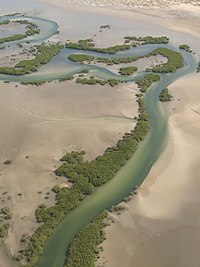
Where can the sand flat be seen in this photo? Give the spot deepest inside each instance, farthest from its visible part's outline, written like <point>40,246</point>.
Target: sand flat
<point>45,122</point>
<point>161,226</point>
<point>42,123</point>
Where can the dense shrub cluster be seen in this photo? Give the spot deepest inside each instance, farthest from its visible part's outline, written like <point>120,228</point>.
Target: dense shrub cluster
<point>128,70</point>
<point>175,60</point>
<point>5,216</point>
<point>165,95</point>
<point>185,47</point>
<point>44,55</point>
<point>84,176</point>
<point>37,83</point>
<point>145,82</point>
<point>31,30</point>
<point>148,40</point>
<point>83,251</point>
<point>80,58</point>
<point>89,45</point>
<point>92,81</point>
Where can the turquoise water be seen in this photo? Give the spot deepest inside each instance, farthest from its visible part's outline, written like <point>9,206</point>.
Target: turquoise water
<point>136,169</point>
<point>47,29</point>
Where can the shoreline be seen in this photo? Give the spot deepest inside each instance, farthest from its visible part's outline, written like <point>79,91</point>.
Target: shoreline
<point>162,212</point>
<point>46,165</point>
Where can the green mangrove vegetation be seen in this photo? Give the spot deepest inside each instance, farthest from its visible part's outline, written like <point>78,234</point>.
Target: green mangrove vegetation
<point>44,54</point>
<point>5,216</point>
<point>175,60</point>
<point>92,81</point>
<point>80,58</point>
<point>84,176</point>
<point>4,230</point>
<point>89,45</point>
<point>128,70</point>
<point>83,249</point>
<point>31,30</point>
<point>5,22</point>
<point>185,47</point>
<point>147,40</point>
<point>145,82</point>
<point>116,61</point>
<point>165,95</point>
<point>66,78</point>
<point>198,67</point>
<point>10,15</point>
<point>37,83</point>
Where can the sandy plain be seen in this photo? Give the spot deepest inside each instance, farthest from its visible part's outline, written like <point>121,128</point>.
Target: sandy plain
<point>43,123</point>
<point>40,125</point>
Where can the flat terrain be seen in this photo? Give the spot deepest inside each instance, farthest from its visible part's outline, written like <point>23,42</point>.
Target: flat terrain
<point>161,225</point>
<point>40,124</point>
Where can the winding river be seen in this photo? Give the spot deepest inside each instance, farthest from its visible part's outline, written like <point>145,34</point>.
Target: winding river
<point>136,169</point>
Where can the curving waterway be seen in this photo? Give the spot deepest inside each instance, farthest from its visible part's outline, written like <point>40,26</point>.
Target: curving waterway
<point>129,176</point>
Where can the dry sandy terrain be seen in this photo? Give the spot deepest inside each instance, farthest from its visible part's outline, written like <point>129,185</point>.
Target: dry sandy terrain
<point>131,3</point>
<point>45,122</point>
<point>161,225</point>
<point>11,29</point>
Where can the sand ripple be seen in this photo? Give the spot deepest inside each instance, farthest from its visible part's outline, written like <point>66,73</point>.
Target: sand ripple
<point>133,3</point>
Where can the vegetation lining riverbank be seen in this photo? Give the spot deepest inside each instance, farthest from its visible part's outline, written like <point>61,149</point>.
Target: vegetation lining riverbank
<point>44,54</point>
<point>175,60</point>
<point>32,29</point>
<point>83,249</point>
<point>84,176</point>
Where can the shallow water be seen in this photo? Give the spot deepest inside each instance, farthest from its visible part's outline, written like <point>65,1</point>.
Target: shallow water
<point>132,174</point>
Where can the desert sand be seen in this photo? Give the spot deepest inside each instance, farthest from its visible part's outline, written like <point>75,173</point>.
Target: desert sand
<point>45,122</point>
<point>161,225</point>
<point>40,125</point>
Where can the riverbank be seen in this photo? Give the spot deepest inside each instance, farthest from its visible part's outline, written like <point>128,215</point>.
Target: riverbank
<point>45,122</point>
<point>161,225</point>
<point>40,125</point>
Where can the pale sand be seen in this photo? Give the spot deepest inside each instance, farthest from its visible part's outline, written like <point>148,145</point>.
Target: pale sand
<point>161,227</point>
<point>141,64</point>
<point>44,123</point>
<point>128,4</point>
<point>11,29</point>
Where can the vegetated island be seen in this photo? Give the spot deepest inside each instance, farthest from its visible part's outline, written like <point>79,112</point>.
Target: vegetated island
<point>43,55</point>
<point>175,60</point>
<point>132,41</point>
<point>32,29</point>
<point>128,70</point>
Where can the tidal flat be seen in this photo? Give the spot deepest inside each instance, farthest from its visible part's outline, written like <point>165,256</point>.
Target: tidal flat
<point>45,122</point>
